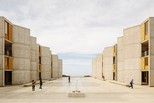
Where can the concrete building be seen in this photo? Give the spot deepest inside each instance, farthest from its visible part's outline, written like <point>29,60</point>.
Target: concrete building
<point>45,62</point>
<point>134,56</point>
<point>98,67</point>
<point>21,58</point>
<point>56,67</point>
<point>120,59</point>
<point>60,64</point>
<point>108,63</point>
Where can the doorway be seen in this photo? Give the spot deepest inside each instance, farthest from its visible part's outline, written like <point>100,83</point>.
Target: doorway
<point>8,77</point>
<point>145,77</point>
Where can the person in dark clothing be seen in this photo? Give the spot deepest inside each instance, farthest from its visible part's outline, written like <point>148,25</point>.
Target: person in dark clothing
<point>33,85</point>
<point>69,79</point>
<point>131,84</point>
<point>41,83</point>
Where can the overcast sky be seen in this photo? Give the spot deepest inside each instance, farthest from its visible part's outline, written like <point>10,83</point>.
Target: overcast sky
<point>77,30</point>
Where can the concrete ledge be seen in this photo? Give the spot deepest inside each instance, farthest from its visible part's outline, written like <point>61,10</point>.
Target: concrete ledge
<point>116,82</point>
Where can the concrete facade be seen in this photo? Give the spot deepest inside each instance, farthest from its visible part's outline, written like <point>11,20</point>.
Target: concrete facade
<point>108,63</point>
<point>60,64</point>
<point>45,63</point>
<point>20,56</point>
<point>55,68</point>
<point>98,67</point>
<point>135,55</point>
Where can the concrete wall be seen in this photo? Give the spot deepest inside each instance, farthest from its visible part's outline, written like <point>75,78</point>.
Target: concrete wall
<point>21,54</point>
<point>55,70</point>
<point>99,66</point>
<point>108,63</point>
<point>132,54</point>
<point>120,59</point>
<point>151,51</point>
<point>46,63</point>
<point>33,59</point>
<point>60,68</point>
<point>1,50</point>
<point>94,69</point>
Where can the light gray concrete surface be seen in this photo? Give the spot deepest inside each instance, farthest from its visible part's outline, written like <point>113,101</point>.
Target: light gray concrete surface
<point>96,91</point>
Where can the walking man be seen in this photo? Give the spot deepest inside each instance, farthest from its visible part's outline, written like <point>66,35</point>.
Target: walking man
<point>131,84</point>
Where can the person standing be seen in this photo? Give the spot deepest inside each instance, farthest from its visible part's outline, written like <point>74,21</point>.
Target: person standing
<point>131,84</point>
<point>69,79</point>
<point>33,85</point>
<point>41,83</point>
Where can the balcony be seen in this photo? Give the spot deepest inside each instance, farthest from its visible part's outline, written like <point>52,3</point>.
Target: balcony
<point>8,63</point>
<point>144,63</point>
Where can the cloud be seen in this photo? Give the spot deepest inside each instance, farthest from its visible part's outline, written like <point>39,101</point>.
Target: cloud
<point>76,26</point>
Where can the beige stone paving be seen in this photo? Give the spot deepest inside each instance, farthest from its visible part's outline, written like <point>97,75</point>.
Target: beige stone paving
<point>96,91</point>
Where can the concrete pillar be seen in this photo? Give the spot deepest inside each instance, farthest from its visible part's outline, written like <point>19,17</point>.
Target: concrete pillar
<point>60,68</point>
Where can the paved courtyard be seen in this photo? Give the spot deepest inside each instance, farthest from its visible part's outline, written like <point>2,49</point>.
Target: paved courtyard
<point>96,91</point>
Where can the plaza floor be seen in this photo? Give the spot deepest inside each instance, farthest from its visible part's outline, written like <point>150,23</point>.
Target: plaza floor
<point>96,91</point>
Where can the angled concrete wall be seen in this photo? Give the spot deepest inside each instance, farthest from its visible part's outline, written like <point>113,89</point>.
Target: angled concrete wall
<point>60,68</point>
<point>132,54</point>
<point>1,51</point>
<point>99,66</point>
<point>21,54</point>
<point>55,70</point>
<point>33,59</point>
<point>108,63</point>
<point>46,63</point>
<point>120,59</point>
<point>151,51</point>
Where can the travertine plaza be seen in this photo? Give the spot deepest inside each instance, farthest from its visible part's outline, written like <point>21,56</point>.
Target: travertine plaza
<point>22,59</point>
<point>131,58</point>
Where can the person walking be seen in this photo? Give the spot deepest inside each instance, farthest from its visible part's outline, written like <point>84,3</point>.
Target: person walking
<point>69,79</point>
<point>131,84</point>
<point>33,85</point>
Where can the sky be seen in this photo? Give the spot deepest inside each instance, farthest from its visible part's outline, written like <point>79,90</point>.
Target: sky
<point>77,30</point>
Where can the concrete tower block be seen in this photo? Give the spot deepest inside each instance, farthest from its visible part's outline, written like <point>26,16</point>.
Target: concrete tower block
<point>108,62</point>
<point>46,62</point>
<point>132,54</point>
<point>60,68</point>
<point>99,67</point>
<point>120,59</point>
<point>33,43</point>
<point>55,66</point>
<point>21,54</point>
